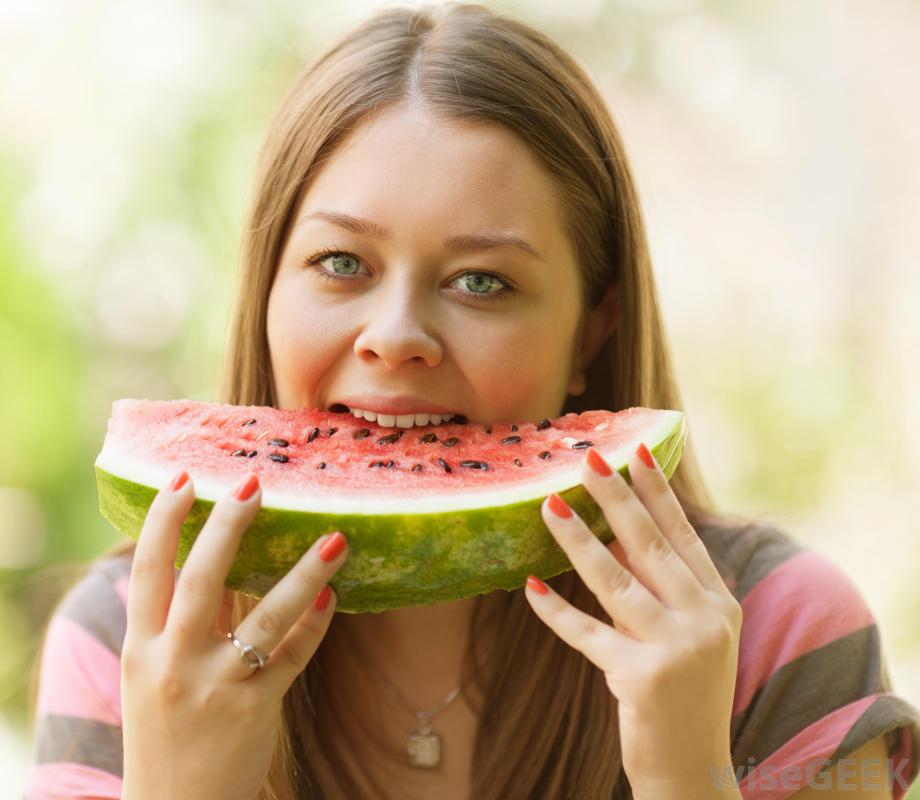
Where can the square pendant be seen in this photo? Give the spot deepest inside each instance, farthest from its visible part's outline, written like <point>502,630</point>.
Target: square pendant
<point>424,749</point>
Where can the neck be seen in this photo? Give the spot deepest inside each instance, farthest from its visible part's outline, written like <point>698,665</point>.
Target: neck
<point>419,649</point>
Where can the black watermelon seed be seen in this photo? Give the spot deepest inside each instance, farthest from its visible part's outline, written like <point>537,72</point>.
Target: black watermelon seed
<point>278,442</point>
<point>390,464</point>
<point>322,465</point>
<point>489,429</point>
<point>428,438</point>
<point>460,420</point>
<point>474,464</point>
<point>513,428</point>
<point>313,434</point>
<point>511,440</point>
<point>361,433</point>
<point>543,424</point>
<point>278,457</point>
<point>518,462</point>
<point>331,431</point>
<point>376,464</point>
<point>582,445</point>
<point>545,454</point>
<point>239,452</point>
<point>417,468</point>
<point>450,442</point>
<point>393,437</point>
<point>253,453</point>
<point>444,464</point>
<point>248,422</point>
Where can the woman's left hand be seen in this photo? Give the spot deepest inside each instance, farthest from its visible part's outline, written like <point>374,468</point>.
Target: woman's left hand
<point>671,656</point>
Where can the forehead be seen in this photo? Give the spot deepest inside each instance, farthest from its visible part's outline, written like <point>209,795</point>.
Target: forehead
<point>409,171</point>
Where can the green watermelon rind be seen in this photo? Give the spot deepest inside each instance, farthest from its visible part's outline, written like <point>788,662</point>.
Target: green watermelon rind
<point>394,560</point>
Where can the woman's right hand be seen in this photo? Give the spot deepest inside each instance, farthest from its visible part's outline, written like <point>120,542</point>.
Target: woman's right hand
<point>196,720</point>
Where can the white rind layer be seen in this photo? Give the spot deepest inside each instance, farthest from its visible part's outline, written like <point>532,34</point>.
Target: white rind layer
<point>557,479</point>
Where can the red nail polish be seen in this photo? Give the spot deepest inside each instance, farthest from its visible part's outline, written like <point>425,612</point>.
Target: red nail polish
<point>647,458</point>
<point>330,549</point>
<point>178,481</point>
<point>322,599</point>
<point>559,507</point>
<point>597,463</point>
<point>533,582</point>
<point>247,488</point>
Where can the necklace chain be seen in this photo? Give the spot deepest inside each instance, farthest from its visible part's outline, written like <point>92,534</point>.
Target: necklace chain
<point>423,748</point>
<point>424,717</point>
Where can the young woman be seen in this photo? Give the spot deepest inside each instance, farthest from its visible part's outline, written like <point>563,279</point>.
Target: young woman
<point>444,212</point>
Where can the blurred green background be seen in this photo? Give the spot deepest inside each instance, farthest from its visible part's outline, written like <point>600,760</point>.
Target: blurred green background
<point>777,149</point>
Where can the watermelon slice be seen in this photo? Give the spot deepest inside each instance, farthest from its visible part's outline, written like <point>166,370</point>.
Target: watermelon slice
<point>435,513</point>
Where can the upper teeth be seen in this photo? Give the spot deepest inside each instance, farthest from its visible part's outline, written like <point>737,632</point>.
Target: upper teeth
<point>400,420</point>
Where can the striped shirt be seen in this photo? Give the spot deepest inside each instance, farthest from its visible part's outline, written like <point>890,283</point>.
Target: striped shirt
<point>812,684</point>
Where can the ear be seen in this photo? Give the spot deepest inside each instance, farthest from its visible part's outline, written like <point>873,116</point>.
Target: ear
<point>598,324</point>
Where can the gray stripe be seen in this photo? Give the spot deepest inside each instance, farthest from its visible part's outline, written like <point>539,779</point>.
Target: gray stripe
<point>885,716</point>
<point>747,554</point>
<point>94,604</point>
<point>115,567</point>
<point>807,689</point>
<point>83,741</point>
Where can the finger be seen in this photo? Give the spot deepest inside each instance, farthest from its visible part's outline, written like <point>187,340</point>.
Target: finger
<point>288,606</point>
<point>202,579</point>
<point>651,486</point>
<point>300,643</point>
<point>225,613</point>
<point>152,580</point>
<point>599,643</point>
<point>621,595</point>
<point>304,634</point>
<point>654,560</point>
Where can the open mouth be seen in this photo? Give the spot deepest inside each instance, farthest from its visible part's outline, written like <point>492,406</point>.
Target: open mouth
<point>400,420</point>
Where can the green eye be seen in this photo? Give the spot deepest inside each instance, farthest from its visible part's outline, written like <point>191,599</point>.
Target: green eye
<point>478,288</point>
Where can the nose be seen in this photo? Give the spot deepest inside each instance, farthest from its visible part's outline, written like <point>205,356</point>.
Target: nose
<point>396,330</point>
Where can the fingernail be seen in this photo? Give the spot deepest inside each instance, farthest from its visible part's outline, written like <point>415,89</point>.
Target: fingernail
<point>559,507</point>
<point>331,548</point>
<point>597,463</point>
<point>246,489</point>
<point>322,599</point>
<point>533,582</point>
<point>178,481</point>
<point>647,458</point>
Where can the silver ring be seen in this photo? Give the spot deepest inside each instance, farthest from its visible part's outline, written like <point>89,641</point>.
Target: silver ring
<point>249,655</point>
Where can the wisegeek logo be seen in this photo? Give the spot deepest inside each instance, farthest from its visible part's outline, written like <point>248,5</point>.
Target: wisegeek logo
<point>769,778</point>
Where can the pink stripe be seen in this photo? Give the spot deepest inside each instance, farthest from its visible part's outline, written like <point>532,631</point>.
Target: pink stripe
<point>65,781</point>
<point>818,741</point>
<point>803,604</point>
<point>80,677</point>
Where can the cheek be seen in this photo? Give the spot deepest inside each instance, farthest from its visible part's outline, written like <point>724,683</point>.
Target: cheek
<point>298,338</point>
<point>518,363</point>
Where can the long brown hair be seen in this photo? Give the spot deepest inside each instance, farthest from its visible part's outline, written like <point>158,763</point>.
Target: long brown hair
<point>465,62</point>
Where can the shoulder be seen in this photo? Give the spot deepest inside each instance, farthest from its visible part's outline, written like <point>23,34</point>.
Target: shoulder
<point>789,592</point>
<point>812,680</point>
<point>87,626</point>
<point>77,727</point>
<point>97,602</point>
<point>81,651</point>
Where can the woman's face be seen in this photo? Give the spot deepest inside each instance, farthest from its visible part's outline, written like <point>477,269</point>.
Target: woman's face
<point>420,307</point>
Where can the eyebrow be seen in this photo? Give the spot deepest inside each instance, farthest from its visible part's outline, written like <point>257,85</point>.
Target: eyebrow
<point>463,241</point>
